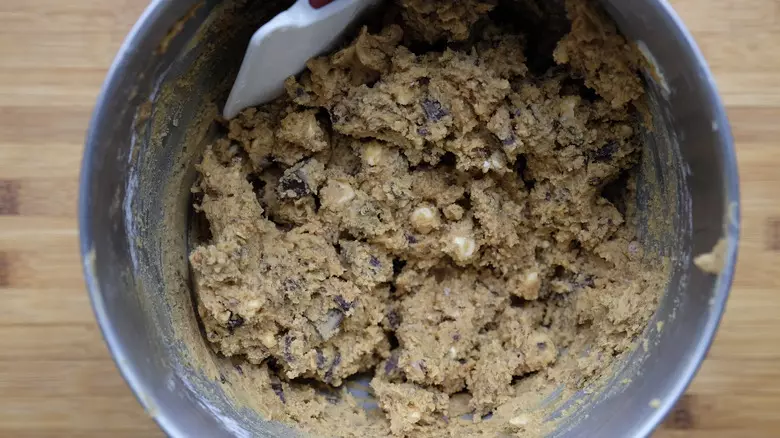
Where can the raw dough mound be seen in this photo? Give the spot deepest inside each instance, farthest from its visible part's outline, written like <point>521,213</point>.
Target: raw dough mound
<point>595,49</point>
<point>434,20</point>
<point>447,222</point>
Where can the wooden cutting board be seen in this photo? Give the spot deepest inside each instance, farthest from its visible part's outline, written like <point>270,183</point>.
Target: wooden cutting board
<point>56,377</point>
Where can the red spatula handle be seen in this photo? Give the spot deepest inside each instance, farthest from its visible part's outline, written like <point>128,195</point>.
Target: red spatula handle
<point>316,4</point>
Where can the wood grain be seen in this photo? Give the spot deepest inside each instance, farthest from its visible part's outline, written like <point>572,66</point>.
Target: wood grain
<point>56,377</point>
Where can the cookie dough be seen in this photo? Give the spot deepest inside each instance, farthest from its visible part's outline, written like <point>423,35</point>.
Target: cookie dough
<point>714,261</point>
<point>437,20</point>
<point>444,221</point>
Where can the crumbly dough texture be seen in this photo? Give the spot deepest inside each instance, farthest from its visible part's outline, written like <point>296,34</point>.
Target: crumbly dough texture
<point>714,261</point>
<point>438,220</point>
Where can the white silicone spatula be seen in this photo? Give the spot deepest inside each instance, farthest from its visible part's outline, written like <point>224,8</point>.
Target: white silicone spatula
<point>282,46</point>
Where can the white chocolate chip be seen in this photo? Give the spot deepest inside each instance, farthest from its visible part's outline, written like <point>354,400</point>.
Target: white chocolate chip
<point>497,161</point>
<point>425,219</point>
<point>453,352</point>
<point>413,416</point>
<point>269,340</point>
<point>529,286</point>
<point>336,194</point>
<point>567,109</point>
<point>462,248</point>
<point>253,304</point>
<point>561,55</point>
<point>519,421</point>
<point>223,316</point>
<point>373,153</point>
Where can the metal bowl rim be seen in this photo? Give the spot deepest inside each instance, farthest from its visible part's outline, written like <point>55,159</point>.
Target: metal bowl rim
<point>143,30</point>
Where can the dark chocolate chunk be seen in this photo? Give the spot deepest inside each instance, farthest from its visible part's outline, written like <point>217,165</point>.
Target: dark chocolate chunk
<point>411,239</point>
<point>398,266</point>
<point>276,385</point>
<point>332,397</point>
<point>391,364</point>
<point>285,227</point>
<point>588,281</point>
<point>235,321</point>
<point>336,362</point>
<point>344,304</point>
<point>541,346</point>
<point>605,153</point>
<point>239,369</point>
<point>423,132</point>
<point>293,186</point>
<point>222,378</point>
<point>509,141</point>
<point>288,340</point>
<point>433,110</point>
<point>374,262</point>
<point>320,359</point>
<point>393,320</point>
<point>291,285</point>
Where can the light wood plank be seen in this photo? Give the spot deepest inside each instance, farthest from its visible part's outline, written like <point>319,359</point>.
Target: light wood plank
<point>75,413</point>
<point>22,160</point>
<point>25,125</point>
<point>55,342</point>
<point>45,306</point>
<point>39,379</point>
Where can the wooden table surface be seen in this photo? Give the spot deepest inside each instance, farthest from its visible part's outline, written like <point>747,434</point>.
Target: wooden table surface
<point>56,377</point>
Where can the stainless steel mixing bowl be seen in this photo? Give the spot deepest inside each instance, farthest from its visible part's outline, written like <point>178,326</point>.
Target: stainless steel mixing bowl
<point>153,117</point>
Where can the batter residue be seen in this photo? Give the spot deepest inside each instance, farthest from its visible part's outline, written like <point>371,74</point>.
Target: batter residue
<point>428,207</point>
